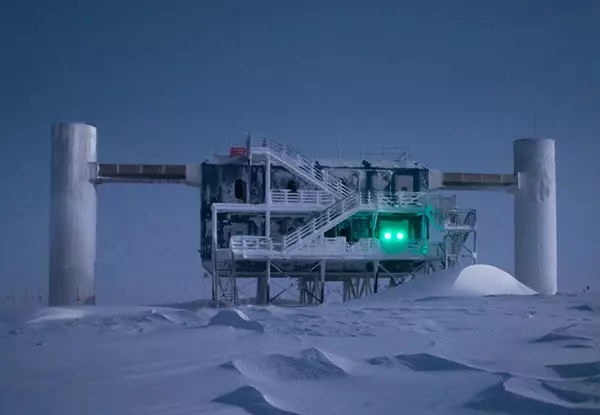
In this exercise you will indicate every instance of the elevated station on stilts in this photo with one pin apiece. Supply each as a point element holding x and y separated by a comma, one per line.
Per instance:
<point>283,223</point>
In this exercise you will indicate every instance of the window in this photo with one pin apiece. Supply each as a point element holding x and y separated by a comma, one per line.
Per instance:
<point>240,189</point>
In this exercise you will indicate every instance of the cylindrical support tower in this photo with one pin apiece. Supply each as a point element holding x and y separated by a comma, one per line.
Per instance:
<point>535,214</point>
<point>72,215</point>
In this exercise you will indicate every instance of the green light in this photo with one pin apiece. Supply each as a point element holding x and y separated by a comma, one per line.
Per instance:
<point>394,235</point>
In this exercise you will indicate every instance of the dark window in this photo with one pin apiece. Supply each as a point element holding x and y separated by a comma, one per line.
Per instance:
<point>240,189</point>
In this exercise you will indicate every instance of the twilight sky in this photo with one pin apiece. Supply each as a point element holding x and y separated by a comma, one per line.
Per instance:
<point>456,81</point>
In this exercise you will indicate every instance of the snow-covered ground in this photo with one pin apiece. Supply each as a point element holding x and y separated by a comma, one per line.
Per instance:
<point>432,346</point>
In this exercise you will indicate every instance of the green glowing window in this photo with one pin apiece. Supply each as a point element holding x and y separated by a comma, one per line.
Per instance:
<point>393,235</point>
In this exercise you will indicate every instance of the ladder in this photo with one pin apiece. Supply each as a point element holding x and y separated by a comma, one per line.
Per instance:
<point>303,167</point>
<point>322,222</point>
<point>225,276</point>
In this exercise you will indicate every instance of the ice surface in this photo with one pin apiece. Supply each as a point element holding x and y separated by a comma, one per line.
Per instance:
<point>417,349</point>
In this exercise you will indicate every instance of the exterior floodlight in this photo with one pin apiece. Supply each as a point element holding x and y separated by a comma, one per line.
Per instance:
<point>387,235</point>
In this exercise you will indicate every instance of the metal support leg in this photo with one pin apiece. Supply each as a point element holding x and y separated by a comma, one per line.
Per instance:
<point>375,276</point>
<point>268,284</point>
<point>322,281</point>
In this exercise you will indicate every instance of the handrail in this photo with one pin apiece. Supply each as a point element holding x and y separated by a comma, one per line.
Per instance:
<point>460,219</point>
<point>329,216</point>
<point>371,200</point>
<point>379,199</point>
<point>303,164</point>
<point>248,242</point>
<point>307,197</point>
<point>337,246</point>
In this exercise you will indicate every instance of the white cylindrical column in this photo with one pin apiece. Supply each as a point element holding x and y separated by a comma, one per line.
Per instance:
<point>72,215</point>
<point>535,214</point>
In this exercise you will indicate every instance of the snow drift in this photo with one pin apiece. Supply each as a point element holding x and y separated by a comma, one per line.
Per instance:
<point>473,281</point>
<point>235,318</point>
<point>502,354</point>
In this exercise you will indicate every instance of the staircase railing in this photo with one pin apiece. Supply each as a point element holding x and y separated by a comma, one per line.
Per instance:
<point>224,276</point>
<point>393,200</point>
<point>460,219</point>
<point>439,207</point>
<point>301,197</point>
<point>330,217</point>
<point>242,243</point>
<point>460,227</point>
<point>323,221</point>
<point>303,166</point>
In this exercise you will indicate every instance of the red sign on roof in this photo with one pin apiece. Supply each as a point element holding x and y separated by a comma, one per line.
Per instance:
<point>238,151</point>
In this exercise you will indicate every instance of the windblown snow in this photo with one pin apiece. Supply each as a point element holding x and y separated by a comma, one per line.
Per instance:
<point>454,343</point>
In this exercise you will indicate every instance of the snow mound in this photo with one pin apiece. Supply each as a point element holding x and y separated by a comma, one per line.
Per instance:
<point>589,371</point>
<point>235,318</point>
<point>580,335</point>
<point>60,314</point>
<point>54,314</point>
<point>110,318</point>
<point>585,307</point>
<point>481,279</point>
<point>253,401</point>
<point>311,364</point>
<point>473,281</point>
<point>534,396</point>
<point>420,362</point>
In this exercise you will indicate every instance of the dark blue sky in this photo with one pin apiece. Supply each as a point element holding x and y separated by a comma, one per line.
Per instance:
<point>457,81</point>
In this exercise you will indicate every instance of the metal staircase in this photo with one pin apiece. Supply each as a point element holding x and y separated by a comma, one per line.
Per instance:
<point>225,277</point>
<point>322,222</point>
<point>348,199</point>
<point>439,209</point>
<point>303,167</point>
<point>458,237</point>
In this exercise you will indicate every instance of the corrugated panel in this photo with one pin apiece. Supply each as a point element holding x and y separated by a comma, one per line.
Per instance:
<point>141,172</point>
<point>478,180</point>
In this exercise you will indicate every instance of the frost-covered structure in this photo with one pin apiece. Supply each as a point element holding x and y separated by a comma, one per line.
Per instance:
<point>535,214</point>
<point>270,212</point>
<point>72,215</point>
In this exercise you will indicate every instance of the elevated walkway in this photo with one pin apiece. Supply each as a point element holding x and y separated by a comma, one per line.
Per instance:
<point>367,249</point>
<point>283,201</point>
